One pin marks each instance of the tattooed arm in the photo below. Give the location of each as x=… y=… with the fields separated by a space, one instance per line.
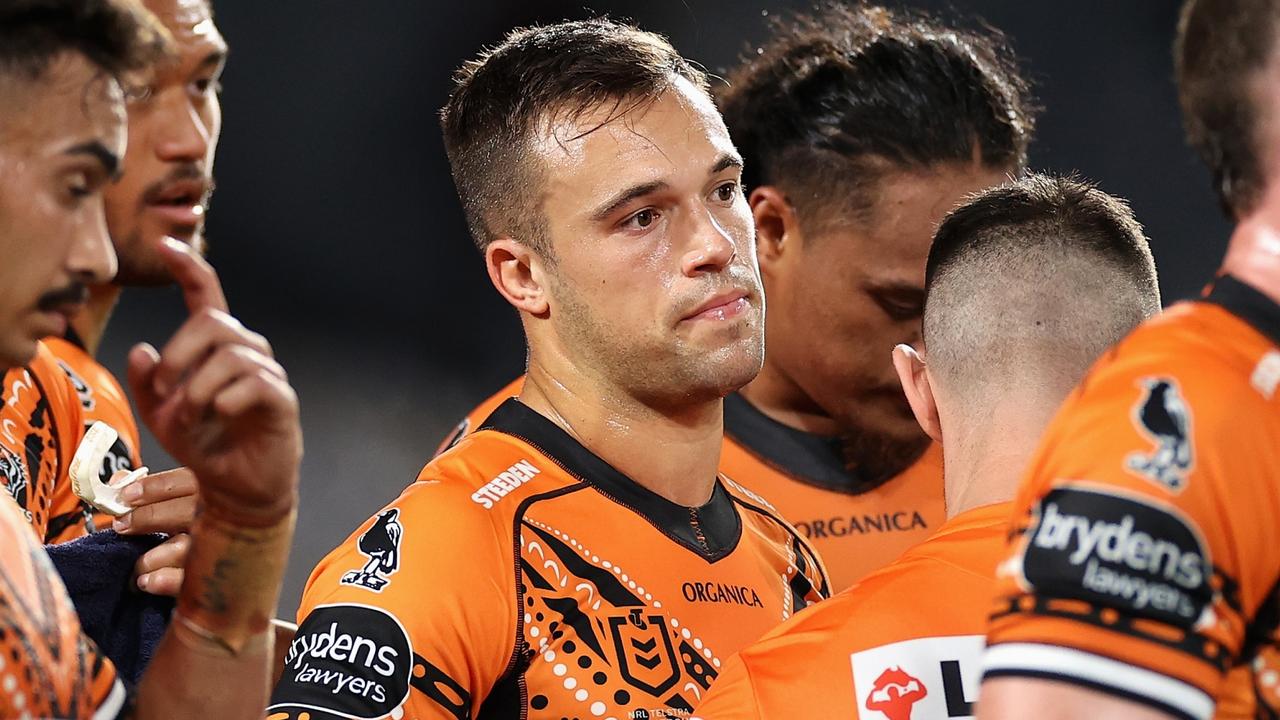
x=220 y=404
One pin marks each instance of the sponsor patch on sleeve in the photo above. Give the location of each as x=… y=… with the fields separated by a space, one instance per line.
x=933 y=677
x=1118 y=551
x=346 y=661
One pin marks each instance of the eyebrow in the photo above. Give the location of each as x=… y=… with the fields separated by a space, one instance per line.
x=214 y=58
x=724 y=162
x=94 y=148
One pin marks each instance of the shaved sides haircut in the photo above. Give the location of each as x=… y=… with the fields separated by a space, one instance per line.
x=534 y=78
x=115 y=35
x=1034 y=280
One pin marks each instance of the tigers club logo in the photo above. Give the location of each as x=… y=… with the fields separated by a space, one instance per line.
x=14 y=475
x=381 y=544
x=895 y=693
x=1162 y=416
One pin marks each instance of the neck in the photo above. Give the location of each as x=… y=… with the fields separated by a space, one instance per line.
x=1253 y=255
x=91 y=322
x=776 y=395
x=673 y=454
x=985 y=452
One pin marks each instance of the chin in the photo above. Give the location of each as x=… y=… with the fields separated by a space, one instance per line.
x=16 y=351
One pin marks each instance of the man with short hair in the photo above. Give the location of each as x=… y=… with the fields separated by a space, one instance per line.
x=1075 y=275
x=174 y=122
x=214 y=396
x=578 y=555
x=860 y=128
x=1141 y=572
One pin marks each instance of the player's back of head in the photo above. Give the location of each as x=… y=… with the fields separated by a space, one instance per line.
x=1028 y=283
x=1223 y=49
x=838 y=96
x=505 y=99
x=114 y=35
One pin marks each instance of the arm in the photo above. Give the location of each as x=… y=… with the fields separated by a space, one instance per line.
x=731 y=697
x=1012 y=697
x=219 y=403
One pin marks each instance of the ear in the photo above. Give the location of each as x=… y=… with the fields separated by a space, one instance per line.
x=777 y=228
x=914 y=375
x=518 y=274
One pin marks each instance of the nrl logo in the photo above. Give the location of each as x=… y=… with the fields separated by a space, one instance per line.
x=1163 y=417
x=895 y=693
x=381 y=544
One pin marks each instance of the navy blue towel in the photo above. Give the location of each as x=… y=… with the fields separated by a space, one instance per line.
x=125 y=622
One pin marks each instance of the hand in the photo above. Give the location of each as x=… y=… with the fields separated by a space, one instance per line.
x=164 y=502
x=218 y=402
x=160 y=570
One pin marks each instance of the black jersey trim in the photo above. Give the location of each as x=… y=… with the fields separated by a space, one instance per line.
x=711 y=530
x=816 y=460
x=1248 y=304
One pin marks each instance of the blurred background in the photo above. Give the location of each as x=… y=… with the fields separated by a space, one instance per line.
x=337 y=232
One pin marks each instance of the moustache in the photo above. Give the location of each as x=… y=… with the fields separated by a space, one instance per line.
x=74 y=294
x=188 y=173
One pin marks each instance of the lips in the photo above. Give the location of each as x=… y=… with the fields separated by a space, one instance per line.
x=720 y=306
x=180 y=202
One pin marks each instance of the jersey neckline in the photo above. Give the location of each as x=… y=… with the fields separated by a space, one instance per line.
x=816 y=460
x=711 y=530
x=1248 y=304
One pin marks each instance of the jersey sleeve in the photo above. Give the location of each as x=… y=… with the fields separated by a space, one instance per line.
x=1144 y=536
x=69 y=516
x=414 y=615
x=731 y=696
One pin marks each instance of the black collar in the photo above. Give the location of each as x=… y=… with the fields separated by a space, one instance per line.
x=1248 y=304
x=814 y=459
x=711 y=530
x=74 y=338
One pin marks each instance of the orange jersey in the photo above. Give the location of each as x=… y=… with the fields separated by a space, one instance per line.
x=101 y=399
x=523 y=576
x=905 y=642
x=40 y=428
x=51 y=670
x=1143 y=559
x=856 y=528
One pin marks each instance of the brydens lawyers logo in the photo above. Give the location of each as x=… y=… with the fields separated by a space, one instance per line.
x=381 y=544
x=895 y=693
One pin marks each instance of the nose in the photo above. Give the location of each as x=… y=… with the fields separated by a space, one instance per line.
x=91 y=257
x=711 y=247
x=183 y=135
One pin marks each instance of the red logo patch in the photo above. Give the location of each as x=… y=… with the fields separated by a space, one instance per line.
x=894 y=694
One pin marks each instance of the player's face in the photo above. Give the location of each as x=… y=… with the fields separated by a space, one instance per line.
x=174 y=121
x=854 y=291
x=655 y=284
x=61 y=136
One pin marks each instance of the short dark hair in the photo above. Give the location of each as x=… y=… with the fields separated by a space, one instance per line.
x=1039 y=276
x=836 y=94
x=1222 y=45
x=116 y=36
x=1038 y=209
x=538 y=75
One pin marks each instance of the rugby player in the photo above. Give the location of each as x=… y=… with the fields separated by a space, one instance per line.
x=860 y=128
x=214 y=396
x=174 y=122
x=1027 y=285
x=578 y=555
x=1142 y=564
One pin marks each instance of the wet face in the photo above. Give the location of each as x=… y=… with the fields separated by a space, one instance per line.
x=61 y=138
x=174 y=121
x=654 y=288
x=846 y=296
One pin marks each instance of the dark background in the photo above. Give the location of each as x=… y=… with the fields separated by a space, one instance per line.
x=337 y=232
